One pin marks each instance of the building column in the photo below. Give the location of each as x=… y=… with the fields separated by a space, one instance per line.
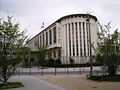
x=82 y=42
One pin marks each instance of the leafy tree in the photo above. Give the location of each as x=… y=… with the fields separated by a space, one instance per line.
x=58 y=61
x=41 y=55
x=26 y=56
x=108 y=50
x=11 y=43
x=51 y=61
x=49 y=54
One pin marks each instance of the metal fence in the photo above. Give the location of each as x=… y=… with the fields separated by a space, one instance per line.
x=53 y=71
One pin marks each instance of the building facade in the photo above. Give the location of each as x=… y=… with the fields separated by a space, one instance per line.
x=69 y=37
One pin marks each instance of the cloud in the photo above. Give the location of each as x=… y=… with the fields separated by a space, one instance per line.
x=32 y=13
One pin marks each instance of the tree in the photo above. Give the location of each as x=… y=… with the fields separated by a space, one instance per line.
x=11 y=43
x=108 y=49
x=58 y=61
x=26 y=56
x=41 y=55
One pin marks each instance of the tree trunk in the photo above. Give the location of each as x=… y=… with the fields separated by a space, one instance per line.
x=5 y=81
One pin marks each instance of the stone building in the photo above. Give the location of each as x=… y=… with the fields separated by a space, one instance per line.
x=69 y=37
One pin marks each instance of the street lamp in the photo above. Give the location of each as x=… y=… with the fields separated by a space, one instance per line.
x=88 y=20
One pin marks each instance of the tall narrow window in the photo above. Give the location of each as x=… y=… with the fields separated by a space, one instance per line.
x=73 y=50
x=43 y=40
x=50 y=37
x=84 y=39
x=54 y=35
x=81 y=52
x=40 y=41
x=73 y=39
x=76 y=38
x=59 y=53
x=69 y=39
x=46 y=38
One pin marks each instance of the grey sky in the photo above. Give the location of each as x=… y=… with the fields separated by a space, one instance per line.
x=32 y=13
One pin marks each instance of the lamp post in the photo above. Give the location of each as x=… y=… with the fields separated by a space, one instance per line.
x=88 y=20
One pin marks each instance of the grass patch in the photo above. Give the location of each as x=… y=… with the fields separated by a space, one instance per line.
x=94 y=87
x=115 y=78
x=10 y=85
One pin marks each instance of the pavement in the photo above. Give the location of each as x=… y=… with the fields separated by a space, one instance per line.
x=32 y=83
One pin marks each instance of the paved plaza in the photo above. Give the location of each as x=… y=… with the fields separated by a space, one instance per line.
x=32 y=83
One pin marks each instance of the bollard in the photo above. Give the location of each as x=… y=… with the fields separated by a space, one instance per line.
x=42 y=71
x=80 y=70
x=30 y=71
x=55 y=71
x=67 y=71
x=19 y=71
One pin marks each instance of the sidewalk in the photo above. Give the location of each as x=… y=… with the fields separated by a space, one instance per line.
x=32 y=83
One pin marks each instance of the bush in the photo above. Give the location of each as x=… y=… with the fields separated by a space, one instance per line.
x=115 y=78
x=58 y=61
x=11 y=85
x=71 y=65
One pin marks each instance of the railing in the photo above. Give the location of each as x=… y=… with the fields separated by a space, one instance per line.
x=54 y=71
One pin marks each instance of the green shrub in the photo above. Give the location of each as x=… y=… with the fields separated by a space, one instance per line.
x=10 y=85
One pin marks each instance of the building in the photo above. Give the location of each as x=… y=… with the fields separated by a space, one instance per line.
x=69 y=37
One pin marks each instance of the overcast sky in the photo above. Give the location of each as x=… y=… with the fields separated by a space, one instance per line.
x=32 y=13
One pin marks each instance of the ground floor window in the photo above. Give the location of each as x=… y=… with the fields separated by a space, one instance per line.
x=59 y=53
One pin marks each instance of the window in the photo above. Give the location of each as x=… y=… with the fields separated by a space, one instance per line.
x=84 y=39
x=59 y=53
x=73 y=39
x=50 y=37
x=54 y=35
x=77 y=49
x=81 y=53
x=43 y=40
x=73 y=50
x=40 y=41
x=46 y=38
x=76 y=38
x=72 y=28
x=84 y=49
x=69 y=39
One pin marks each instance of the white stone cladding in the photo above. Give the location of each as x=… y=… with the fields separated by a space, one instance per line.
x=68 y=36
